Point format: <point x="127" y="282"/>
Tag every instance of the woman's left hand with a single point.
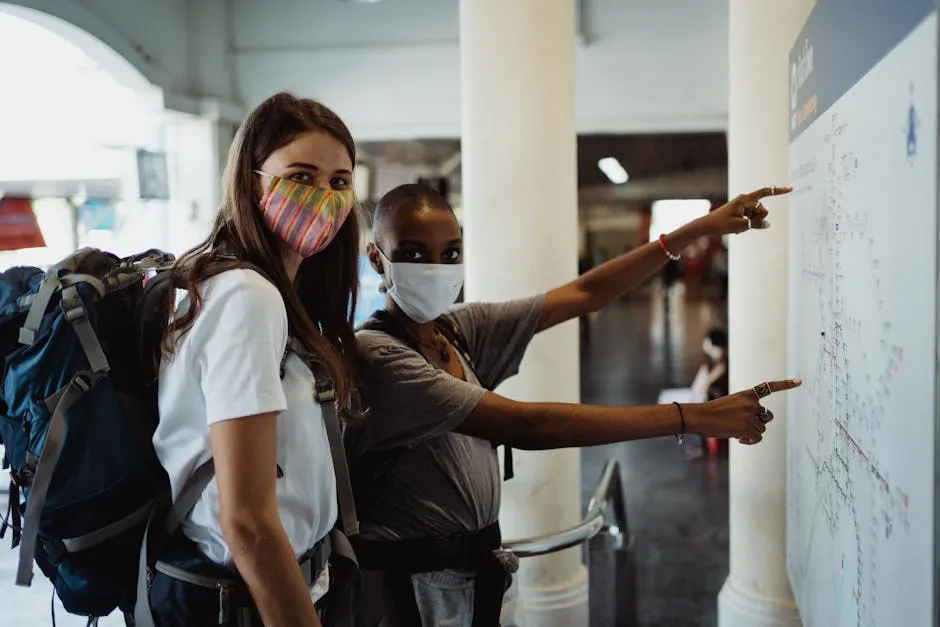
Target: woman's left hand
<point x="744" y="213"/>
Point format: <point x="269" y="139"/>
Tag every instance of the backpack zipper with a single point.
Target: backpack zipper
<point x="223" y="604"/>
<point x="224" y="586"/>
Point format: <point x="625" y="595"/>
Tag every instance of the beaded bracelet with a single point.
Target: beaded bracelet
<point x="669" y="253"/>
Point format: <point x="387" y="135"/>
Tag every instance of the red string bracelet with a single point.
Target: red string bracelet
<point x="669" y="253"/>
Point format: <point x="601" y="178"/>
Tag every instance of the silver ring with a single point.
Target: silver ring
<point x="762" y="390"/>
<point x="748" y="223"/>
<point x="758" y="205"/>
<point x="773" y="190"/>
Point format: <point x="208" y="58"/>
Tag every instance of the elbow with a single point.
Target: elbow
<point x="530" y="435"/>
<point x="593" y="293"/>
<point x="512" y="423"/>
<point x="248" y="530"/>
<point x="592" y="302"/>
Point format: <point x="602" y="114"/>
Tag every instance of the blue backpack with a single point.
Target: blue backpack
<point x="78" y="409"/>
<point x="79" y="349"/>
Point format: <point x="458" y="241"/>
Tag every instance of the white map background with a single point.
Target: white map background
<point x="863" y="289"/>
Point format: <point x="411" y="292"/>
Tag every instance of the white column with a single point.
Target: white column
<point x="757" y="592"/>
<point x="520" y="213"/>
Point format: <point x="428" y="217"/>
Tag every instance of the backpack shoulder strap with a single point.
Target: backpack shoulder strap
<point x="326" y="396"/>
<point x="449" y="329"/>
<point x="382" y="460"/>
<point x="383" y="322"/>
<point x="223" y="264"/>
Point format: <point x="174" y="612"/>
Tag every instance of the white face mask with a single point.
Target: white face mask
<point x="423" y="291"/>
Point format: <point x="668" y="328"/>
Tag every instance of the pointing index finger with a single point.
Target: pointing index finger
<point x="770" y="191"/>
<point x="784" y="385"/>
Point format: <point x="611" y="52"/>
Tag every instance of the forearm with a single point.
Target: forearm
<point x="536" y="426"/>
<point x="622" y="274"/>
<point x="266" y="562"/>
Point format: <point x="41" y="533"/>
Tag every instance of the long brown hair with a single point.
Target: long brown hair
<point x="322" y="300"/>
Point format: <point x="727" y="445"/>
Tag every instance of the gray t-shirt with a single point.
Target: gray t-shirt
<point x="444" y="482"/>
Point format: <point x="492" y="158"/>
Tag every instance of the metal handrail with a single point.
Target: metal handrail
<point x="608" y="496"/>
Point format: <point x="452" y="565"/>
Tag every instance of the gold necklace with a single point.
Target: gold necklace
<point x="440" y="347"/>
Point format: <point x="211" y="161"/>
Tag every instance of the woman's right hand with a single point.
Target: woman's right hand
<point x="739" y="415"/>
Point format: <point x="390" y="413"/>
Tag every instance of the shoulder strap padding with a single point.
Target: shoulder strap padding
<point x="449" y="328"/>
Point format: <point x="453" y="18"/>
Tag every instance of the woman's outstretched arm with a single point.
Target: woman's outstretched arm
<point x="559" y="425"/>
<point x="597" y="288"/>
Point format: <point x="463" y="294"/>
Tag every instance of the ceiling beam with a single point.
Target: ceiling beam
<point x="704" y="183"/>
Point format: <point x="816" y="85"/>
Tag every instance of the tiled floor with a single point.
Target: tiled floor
<point x="677" y="510"/>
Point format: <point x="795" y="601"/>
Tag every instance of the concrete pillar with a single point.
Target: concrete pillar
<point x="757" y="592"/>
<point x="520" y="214"/>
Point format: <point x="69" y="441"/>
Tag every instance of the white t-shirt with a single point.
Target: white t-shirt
<point x="227" y="366"/>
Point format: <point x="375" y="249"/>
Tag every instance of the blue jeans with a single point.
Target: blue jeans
<point x="444" y="598"/>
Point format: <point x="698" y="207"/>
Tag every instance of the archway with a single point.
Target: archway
<point x="76" y="24"/>
<point x="86" y="140"/>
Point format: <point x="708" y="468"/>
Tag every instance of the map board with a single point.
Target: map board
<point x="863" y="314"/>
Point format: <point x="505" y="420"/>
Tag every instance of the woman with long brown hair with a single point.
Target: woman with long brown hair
<point x="230" y="390"/>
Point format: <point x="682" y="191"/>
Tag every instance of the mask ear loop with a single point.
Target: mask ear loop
<point x="273" y="178"/>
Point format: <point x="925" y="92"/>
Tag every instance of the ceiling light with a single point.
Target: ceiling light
<point x="614" y="171"/>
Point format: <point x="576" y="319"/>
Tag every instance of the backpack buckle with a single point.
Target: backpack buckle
<point x="83" y="382"/>
<point x="326" y="394"/>
<point x="27" y="336"/>
<point x="76" y="312"/>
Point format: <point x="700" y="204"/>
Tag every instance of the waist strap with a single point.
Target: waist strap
<point x="312" y="564"/>
<point x="315" y="560"/>
<point x="465" y="551"/>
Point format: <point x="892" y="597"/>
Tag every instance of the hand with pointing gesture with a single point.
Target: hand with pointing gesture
<point x="738" y="416"/>
<point x="744" y="213"/>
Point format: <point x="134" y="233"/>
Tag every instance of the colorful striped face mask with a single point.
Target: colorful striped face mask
<point x="306" y="217"/>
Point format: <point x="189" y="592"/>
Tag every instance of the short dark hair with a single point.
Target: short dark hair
<point x="408" y="197"/>
<point x="718" y="338"/>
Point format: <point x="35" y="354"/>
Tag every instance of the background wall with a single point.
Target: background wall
<point x="392" y="68"/>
